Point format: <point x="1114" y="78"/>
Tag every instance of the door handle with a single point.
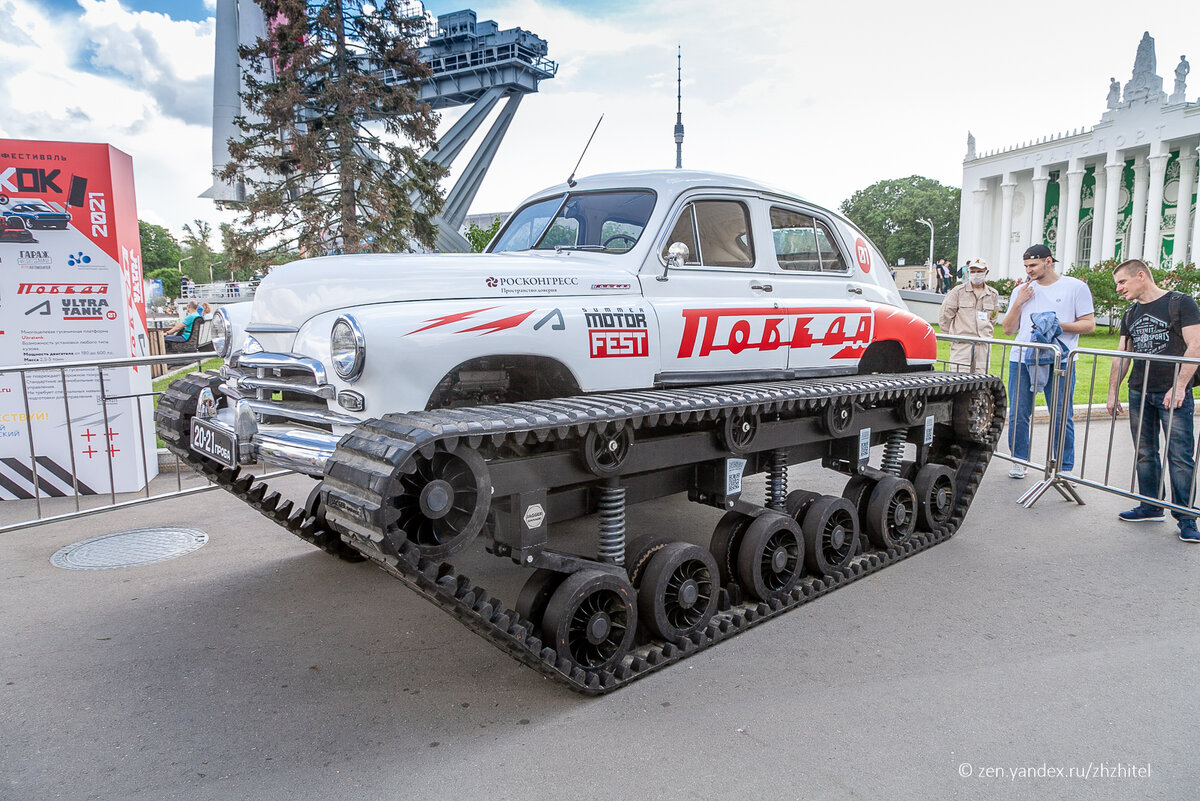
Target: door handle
<point x="762" y="287"/>
<point x="857" y="290"/>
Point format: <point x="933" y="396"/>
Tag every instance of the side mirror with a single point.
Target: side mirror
<point x="677" y="256"/>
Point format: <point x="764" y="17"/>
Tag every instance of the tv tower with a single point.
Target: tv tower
<point x="678" y="108"/>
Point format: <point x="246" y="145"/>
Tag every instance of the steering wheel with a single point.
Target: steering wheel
<point x="632" y="241"/>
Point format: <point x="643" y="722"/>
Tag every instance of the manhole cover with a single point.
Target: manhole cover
<point x="141" y="546"/>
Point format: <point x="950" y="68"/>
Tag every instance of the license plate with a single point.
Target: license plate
<point x="218" y="445"/>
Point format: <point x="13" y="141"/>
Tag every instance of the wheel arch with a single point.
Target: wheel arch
<point x="526" y="377"/>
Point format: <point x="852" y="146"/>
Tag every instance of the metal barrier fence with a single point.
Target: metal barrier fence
<point x="1053" y="444"/>
<point x="42" y="500"/>
<point x="1063" y="439"/>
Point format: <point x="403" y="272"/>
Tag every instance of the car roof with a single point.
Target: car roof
<point x="667" y="182"/>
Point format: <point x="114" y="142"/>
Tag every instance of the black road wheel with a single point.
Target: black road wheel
<point x="830" y="535"/>
<point x="797" y="503"/>
<point x="535" y="594"/>
<point x="771" y="556"/>
<point x="638" y="554"/>
<point x="591" y="619"/>
<point x="726" y="539"/>
<point x="934" y="486"/>
<point x="912" y="409"/>
<point x="678" y="592"/>
<point x="738" y="431"/>
<point x="444" y="503"/>
<point x="604" y="452"/>
<point x="858" y="492"/>
<point x="838" y="417"/>
<point x="891" y="513"/>
<point x="973" y="415"/>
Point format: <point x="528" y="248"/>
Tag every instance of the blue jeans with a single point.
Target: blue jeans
<point x="1145" y="423"/>
<point x="1020" y="411"/>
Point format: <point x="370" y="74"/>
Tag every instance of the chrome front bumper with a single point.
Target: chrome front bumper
<point x="287" y="445"/>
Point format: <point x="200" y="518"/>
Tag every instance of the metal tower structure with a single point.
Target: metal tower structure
<point x="678" y="107"/>
<point x="473" y="63"/>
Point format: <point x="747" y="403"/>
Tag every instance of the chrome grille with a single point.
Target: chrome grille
<point x="255" y="377"/>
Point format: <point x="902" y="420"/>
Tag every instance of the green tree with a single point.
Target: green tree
<point x="888" y="212"/>
<point x="479" y="237"/>
<point x="160" y="249"/>
<point x="170" y="279"/>
<point x="329" y="157"/>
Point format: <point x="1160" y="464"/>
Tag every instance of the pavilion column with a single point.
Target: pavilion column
<point x="1068" y="216"/>
<point x="1183" y="207"/>
<point x="1040" y="180"/>
<point x="1152" y="252"/>
<point x="1115" y="168"/>
<point x="1137" y="223"/>
<point x="1098" y="201"/>
<point x="1006" y="204"/>
<point x="979" y="197"/>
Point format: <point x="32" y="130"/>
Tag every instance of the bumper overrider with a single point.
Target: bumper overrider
<point x="276" y="412"/>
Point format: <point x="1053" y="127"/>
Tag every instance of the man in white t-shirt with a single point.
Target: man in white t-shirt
<point x="1071" y="301"/>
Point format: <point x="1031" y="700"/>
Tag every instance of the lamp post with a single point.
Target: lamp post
<point x="179" y="265"/>
<point x="210" y="272"/>
<point x="928" y="223"/>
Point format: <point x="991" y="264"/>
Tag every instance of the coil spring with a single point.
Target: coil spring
<point x="777" y="480"/>
<point x="893" y="452"/>
<point x="612" y="525"/>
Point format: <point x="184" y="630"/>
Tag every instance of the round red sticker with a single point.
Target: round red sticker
<point x="110" y="314"/>
<point x="862" y="254"/>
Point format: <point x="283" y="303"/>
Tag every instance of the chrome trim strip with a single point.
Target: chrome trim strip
<point x="302" y="414"/>
<point x="270" y="328"/>
<point x="325" y="391"/>
<point x="285" y="361"/>
<point x="684" y="378"/>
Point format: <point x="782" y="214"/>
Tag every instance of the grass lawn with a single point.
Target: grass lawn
<point x="160" y="384"/>
<point x="1085" y="365"/>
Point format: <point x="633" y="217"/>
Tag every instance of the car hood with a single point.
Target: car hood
<point x="299" y="291"/>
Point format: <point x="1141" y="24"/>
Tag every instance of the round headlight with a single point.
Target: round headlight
<point x="347" y="348"/>
<point x="221" y="340"/>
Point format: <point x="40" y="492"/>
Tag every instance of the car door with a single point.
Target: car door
<point x="831" y="322"/>
<point x="718" y="317"/>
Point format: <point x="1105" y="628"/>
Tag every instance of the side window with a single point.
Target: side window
<point x="723" y="227"/>
<point x="685" y="232"/>
<point x="795" y="240"/>
<point x="831" y="257"/>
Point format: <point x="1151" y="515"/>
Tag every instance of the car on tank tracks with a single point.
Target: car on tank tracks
<point x="624" y="337"/>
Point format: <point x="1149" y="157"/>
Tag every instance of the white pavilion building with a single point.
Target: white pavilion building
<point x="1124" y="188"/>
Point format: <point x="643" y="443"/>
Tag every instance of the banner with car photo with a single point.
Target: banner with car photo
<point x="71" y="290"/>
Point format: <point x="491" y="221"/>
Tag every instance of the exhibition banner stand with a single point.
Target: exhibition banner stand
<point x="71" y="290"/>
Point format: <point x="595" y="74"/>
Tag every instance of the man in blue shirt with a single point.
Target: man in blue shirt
<point x="182" y="331"/>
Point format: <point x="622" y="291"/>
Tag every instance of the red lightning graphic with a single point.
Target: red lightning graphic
<point x="500" y="325"/>
<point x="434" y="322"/>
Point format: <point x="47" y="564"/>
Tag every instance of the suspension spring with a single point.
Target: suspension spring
<point x="893" y="452"/>
<point x="777" y="480"/>
<point x="612" y="525"/>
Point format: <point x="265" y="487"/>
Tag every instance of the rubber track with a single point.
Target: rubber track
<point x="369" y="456"/>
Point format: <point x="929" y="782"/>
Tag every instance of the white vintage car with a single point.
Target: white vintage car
<point x="622" y="281"/>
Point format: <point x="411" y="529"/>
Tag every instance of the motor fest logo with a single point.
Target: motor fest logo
<point x="530" y="285"/>
<point x="62" y="289"/>
<point x="34" y="259"/>
<point x="617" y="333"/>
<point x="707" y="331"/>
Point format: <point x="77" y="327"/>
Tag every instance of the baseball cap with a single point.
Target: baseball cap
<point x="1038" y="252"/>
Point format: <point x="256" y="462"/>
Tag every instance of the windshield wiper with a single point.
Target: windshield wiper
<point x="561" y="248"/>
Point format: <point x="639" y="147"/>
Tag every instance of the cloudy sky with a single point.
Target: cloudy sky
<point x="819" y="98"/>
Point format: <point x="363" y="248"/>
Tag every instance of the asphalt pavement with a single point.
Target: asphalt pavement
<point x="1039" y="654"/>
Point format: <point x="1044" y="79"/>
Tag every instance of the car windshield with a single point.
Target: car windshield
<point x="604" y="222"/>
<point x="33" y="207"/>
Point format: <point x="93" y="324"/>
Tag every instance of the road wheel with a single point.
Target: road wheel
<point x="771" y="556"/>
<point x="830" y="535"/>
<point x="891" y="513"/>
<point x="591" y="619"/>
<point x="678" y="592"/>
